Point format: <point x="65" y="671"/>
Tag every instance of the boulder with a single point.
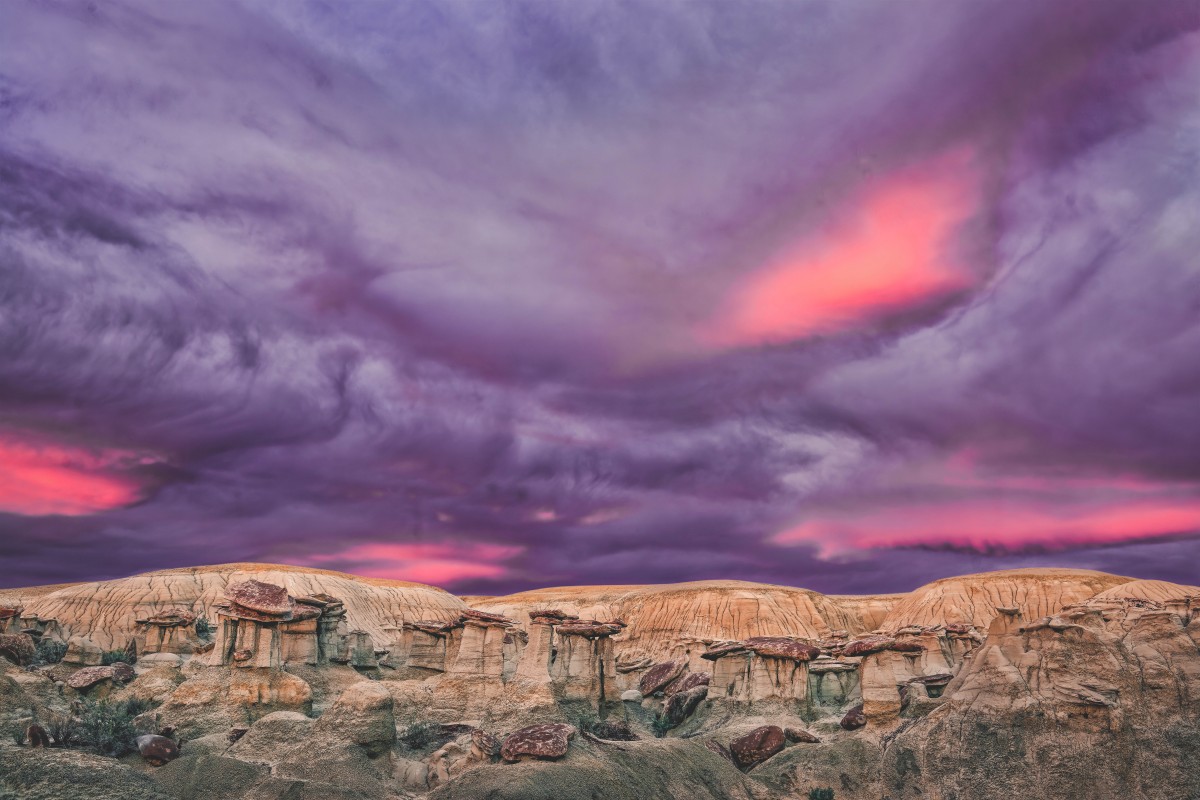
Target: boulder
<point x="484" y="746"/>
<point x="800" y="736"/>
<point x="157" y="750"/>
<point x="17" y="648"/>
<point x="680" y="705"/>
<point x="686" y="682"/>
<point x="547" y="741"/>
<point x="631" y="696"/>
<point x="657" y="677"/>
<point x="36" y="736"/>
<point x="122" y="672"/>
<point x="363" y="713"/>
<point x="757" y="746"/>
<point x="88" y="677"/>
<point x="854" y="719"/>
<point x="83" y="652"/>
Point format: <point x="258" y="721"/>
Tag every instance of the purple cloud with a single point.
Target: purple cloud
<point x="438" y="277"/>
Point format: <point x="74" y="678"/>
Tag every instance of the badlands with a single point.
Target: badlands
<point x="266" y="682"/>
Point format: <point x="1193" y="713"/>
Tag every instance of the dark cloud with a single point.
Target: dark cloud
<point x="444" y="276"/>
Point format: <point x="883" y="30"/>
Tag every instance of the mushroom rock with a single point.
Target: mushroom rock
<point x="681" y="705"/>
<point x="546" y="741"/>
<point x="584" y="666"/>
<point x="481" y="648"/>
<point x="832" y="682"/>
<point x="718" y="651"/>
<point x="854" y="718"/>
<point x="782" y="647"/>
<point x="551" y="616"/>
<point x="266" y="598"/>
<point x="17" y="648"/>
<point x="589" y="629"/>
<point x="157" y="750"/>
<point x="757" y="746"/>
<point x="483" y="616"/>
<point x="657" y="677"/>
<point x="433" y="645"/>
<point x="686" y="682"/>
<point x="538" y="652"/>
<point x="86" y="678"/>
<point x="867" y="645"/>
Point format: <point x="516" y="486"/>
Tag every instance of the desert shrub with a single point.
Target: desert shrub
<point x="420" y="735"/>
<point x="661" y="725"/>
<point x="49" y="651"/>
<point x="107" y="728"/>
<point x="604" y="729"/>
<point x="63" y="729"/>
<point x="18" y="734"/>
<point x="820" y="794"/>
<point x="204" y="628"/>
<point x="111" y="657"/>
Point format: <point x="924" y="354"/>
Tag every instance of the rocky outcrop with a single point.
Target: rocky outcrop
<point x="108" y="612"/>
<point x="1059" y="706"/>
<point x="682" y="620"/>
<point x="975" y="599"/>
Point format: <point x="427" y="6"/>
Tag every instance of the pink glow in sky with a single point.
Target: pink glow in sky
<point x="436" y="564"/>
<point x="42" y="479"/>
<point x="889" y="252"/>
<point x="992" y="524"/>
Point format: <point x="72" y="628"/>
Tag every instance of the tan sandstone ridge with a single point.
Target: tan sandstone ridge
<point x="1051" y="683"/>
<point x="681" y="620"/>
<point x="106" y="612"/>
<point x="975" y="599"/>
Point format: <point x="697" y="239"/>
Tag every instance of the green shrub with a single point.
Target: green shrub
<point x="420" y="735"/>
<point x="18" y="734"/>
<point x="49" y="651"/>
<point x="63" y="729"/>
<point x="111" y="657"/>
<point x="107" y="728"/>
<point x="205" y="629"/>
<point x="661" y="725"/>
<point x="820" y="794"/>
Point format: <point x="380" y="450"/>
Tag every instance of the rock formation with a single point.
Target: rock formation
<point x="1051" y="683"/>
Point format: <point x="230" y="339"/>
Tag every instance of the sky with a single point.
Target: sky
<point x="496" y="295"/>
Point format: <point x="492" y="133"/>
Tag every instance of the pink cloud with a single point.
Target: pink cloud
<point x="433" y="563"/>
<point x="888" y="253"/>
<point x="39" y="478"/>
<point x="990" y="524"/>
